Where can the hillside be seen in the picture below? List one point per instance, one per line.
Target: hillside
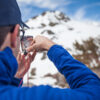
(62, 30)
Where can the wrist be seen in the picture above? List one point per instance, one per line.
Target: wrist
(49, 45)
(18, 75)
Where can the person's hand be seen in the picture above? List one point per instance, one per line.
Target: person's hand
(41, 43)
(24, 64)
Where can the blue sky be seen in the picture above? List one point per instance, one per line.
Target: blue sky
(77, 9)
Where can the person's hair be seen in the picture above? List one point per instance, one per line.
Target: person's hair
(4, 30)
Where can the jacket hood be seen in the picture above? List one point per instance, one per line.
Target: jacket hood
(8, 66)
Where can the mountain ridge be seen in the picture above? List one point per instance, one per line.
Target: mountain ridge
(64, 31)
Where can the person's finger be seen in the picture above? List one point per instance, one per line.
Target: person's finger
(32, 48)
(29, 57)
(33, 42)
(22, 56)
(29, 49)
(23, 59)
(27, 65)
(19, 56)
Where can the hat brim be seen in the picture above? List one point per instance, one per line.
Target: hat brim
(24, 25)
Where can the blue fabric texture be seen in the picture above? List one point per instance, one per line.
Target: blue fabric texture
(84, 84)
(17, 81)
(8, 68)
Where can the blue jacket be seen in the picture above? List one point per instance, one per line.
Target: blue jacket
(84, 84)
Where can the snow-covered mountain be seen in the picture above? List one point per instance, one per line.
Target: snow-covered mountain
(62, 30)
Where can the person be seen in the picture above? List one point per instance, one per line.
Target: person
(84, 84)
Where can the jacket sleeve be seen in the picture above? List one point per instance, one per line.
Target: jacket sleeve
(16, 82)
(75, 72)
(84, 84)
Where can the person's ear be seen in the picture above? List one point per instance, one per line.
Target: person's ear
(14, 36)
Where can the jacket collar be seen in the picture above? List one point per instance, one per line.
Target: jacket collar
(8, 66)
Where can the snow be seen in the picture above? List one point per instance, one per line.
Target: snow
(93, 63)
(66, 33)
(43, 81)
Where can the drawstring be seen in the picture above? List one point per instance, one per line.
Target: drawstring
(20, 82)
(27, 80)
